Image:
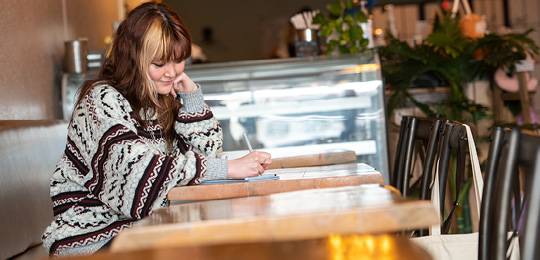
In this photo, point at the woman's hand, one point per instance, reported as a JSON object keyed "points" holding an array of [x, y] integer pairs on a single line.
{"points": [[251, 165], [184, 84]]}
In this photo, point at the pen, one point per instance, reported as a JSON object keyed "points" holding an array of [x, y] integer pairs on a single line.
{"points": [[248, 143]]}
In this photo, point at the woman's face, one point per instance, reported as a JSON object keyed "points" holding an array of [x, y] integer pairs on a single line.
{"points": [[163, 75]]}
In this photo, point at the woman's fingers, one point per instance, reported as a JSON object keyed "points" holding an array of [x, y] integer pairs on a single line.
{"points": [[184, 84], [177, 83], [252, 164], [173, 92], [260, 169], [262, 157], [263, 160]]}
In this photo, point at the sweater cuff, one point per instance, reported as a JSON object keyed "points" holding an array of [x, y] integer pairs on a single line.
{"points": [[193, 101], [216, 169]]}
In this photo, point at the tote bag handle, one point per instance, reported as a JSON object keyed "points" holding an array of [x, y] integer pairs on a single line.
{"points": [[478, 183]]}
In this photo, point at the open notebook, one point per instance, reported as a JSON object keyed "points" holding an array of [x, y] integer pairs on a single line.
{"points": [[262, 177]]}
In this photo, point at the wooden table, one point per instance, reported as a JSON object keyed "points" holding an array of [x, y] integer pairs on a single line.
{"points": [[350, 247], [291, 179], [290, 216]]}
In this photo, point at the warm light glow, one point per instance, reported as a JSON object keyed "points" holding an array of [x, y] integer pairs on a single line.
{"points": [[385, 244], [337, 249], [361, 247], [362, 68], [378, 31]]}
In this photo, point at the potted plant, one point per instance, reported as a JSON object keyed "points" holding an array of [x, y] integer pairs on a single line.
{"points": [[342, 28], [454, 60]]}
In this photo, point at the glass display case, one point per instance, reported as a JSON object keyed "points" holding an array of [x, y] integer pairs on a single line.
{"points": [[71, 82], [290, 106], [300, 105]]}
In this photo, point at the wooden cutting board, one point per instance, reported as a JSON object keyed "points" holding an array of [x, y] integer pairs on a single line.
{"points": [[313, 160]]}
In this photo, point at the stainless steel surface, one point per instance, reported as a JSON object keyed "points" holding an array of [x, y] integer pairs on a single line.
{"points": [[306, 35], [75, 57]]}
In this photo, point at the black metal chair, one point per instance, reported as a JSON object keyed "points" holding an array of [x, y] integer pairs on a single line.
{"points": [[433, 140], [399, 160], [453, 142], [418, 137], [487, 211], [513, 153]]}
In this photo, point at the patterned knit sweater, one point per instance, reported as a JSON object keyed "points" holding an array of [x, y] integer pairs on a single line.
{"points": [[114, 172]]}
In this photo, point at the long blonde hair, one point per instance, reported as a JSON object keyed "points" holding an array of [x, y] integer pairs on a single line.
{"points": [[152, 31]]}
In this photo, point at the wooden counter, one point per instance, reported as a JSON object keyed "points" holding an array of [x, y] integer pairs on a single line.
{"points": [[291, 179], [351, 247], [289, 216]]}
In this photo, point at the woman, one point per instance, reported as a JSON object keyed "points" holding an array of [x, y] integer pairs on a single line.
{"points": [[136, 132]]}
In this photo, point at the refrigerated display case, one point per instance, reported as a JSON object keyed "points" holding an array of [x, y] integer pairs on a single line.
{"points": [[300, 105]]}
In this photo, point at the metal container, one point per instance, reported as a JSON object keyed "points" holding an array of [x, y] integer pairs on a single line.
{"points": [[307, 43], [306, 35], [76, 56]]}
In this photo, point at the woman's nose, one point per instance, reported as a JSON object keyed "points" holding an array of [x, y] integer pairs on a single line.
{"points": [[169, 70]]}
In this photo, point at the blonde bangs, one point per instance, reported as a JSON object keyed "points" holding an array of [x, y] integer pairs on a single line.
{"points": [[154, 45], [163, 45], [152, 50]]}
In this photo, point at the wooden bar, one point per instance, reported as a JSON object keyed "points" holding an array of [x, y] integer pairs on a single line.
{"points": [[328, 158], [291, 179], [299, 215], [384, 246]]}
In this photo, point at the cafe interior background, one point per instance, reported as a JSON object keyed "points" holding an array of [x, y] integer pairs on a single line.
{"points": [[34, 32]]}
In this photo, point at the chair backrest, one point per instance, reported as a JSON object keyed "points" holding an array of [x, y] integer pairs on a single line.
{"points": [[513, 153], [399, 160], [453, 143], [487, 209], [418, 136], [439, 139]]}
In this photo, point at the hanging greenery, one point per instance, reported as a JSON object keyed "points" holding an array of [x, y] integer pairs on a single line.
{"points": [[342, 28]]}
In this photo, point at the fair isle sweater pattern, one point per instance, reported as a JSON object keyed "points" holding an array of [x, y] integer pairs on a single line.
{"points": [[114, 172]]}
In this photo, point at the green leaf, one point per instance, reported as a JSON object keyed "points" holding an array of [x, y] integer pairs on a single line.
{"points": [[338, 26], [344, 49], [344, 38], [364, 43], [326, 30], [360, 17], [355, 32], [319, 19], [349, 19], [348, 4], [331, 46], [334, 8]]}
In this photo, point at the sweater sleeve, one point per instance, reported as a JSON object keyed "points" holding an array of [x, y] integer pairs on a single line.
{"points": [[201, 132], [123, 170]]}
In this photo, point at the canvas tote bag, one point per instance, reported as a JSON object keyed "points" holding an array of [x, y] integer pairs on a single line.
{"points": [[458, 246]]}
